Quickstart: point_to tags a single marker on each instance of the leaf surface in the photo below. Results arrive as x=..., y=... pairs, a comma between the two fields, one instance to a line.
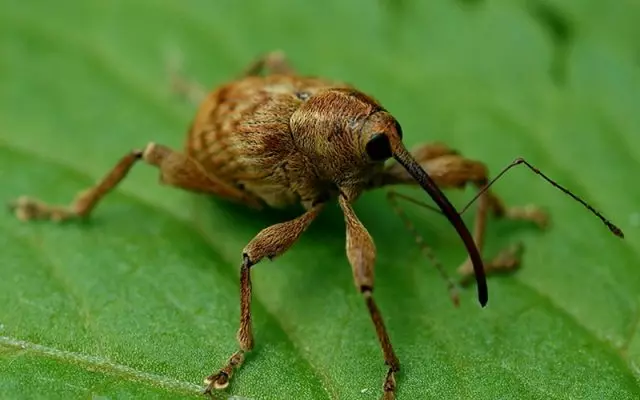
x=142, y=300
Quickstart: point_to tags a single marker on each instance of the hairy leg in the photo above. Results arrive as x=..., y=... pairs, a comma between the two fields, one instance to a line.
x=451, y=170
x=270, y=243
x=361, y=253
x=176, y=169
x=274, y=62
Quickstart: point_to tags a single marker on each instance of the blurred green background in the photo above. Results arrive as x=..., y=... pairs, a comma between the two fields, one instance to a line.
x=142, y=301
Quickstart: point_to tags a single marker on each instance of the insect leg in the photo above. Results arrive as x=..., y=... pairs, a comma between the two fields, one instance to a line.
x=451, y=170
x=176, y=169
x=507, y=260
x=187, y=89
x=274, y=62
x=392, y=197
x=361, y=253
x=270, y=243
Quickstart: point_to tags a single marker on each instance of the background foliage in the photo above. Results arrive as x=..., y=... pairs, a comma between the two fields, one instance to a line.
x=142, y=301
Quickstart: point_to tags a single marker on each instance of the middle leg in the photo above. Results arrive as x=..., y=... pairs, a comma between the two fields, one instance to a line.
x=361, y=253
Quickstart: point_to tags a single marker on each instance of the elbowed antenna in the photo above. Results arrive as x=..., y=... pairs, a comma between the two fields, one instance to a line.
x=401, y=155
x=610, y=225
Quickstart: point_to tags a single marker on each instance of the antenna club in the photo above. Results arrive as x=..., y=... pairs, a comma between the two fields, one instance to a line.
x=615, y=230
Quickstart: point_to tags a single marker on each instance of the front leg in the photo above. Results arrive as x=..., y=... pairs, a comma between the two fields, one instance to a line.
x=455, y=171
x=362, y=254
x=270, y=242
x=450, y=170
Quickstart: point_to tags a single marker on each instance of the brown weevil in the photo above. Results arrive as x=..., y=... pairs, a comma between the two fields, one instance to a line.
x=274, y=138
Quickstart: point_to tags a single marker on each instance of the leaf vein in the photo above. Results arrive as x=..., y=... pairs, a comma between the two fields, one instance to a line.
x=90, y=362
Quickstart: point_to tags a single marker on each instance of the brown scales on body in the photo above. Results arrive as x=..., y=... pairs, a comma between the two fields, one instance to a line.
x=282, y=139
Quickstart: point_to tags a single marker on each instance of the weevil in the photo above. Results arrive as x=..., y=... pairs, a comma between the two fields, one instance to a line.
x=274, y=138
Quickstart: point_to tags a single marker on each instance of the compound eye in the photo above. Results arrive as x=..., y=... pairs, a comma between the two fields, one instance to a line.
x=378, y=147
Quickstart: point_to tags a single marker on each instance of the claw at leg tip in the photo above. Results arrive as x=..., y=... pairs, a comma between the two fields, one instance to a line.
x=16, y=203
x=22, y=207
x=615, y=230
x=219, y=381
x=219, y=386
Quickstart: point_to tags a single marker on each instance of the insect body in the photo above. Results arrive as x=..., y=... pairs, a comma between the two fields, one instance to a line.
x=281, y=139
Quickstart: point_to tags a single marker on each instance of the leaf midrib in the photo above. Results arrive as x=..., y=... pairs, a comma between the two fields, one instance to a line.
x=90, y=362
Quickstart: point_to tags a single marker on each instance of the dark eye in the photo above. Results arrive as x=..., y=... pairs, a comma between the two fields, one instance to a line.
x=378, y=147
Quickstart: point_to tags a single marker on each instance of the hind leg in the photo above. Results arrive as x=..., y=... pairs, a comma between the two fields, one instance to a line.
x=274, y=62
x=176, y=169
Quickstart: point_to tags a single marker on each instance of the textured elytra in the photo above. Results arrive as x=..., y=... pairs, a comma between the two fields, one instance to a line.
x=257, y=134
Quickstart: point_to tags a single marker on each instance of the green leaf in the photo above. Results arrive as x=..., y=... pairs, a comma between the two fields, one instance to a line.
x=142, y=301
